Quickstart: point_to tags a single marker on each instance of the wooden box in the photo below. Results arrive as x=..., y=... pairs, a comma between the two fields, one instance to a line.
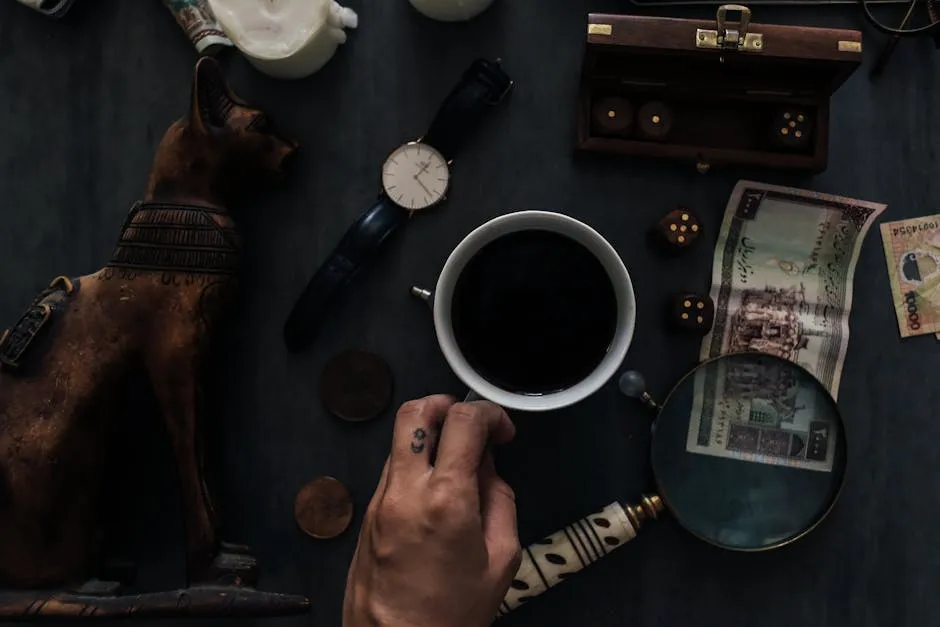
x=712, y=92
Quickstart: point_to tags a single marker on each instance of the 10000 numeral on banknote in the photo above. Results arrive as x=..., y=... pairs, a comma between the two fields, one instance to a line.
x=782, y=284
x=912, y=250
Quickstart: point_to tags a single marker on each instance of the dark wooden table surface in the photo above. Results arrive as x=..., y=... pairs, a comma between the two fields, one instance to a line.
x=83, y=103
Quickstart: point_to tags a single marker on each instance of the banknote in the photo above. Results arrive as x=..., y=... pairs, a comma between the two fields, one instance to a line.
x=912, y=250
x=760, y=411
x=782, y=284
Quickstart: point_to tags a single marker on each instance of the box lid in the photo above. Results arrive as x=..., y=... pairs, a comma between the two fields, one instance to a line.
x=721, y=53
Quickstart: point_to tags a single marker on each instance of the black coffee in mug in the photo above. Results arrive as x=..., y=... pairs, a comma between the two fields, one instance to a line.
x=534, y=312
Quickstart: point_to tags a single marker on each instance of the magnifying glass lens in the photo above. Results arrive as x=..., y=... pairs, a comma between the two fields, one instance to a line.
x=749, y=451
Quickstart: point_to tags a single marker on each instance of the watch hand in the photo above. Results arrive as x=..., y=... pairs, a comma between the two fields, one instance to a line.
x=423, y=170
x=426, y=190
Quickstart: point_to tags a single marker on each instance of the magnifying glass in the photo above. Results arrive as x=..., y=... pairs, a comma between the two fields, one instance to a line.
x=748, y=453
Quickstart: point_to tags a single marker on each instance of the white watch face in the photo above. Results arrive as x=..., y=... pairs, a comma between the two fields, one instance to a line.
x=415, y=176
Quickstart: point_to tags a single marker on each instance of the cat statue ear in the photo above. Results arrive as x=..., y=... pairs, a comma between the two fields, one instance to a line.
x=212, y=97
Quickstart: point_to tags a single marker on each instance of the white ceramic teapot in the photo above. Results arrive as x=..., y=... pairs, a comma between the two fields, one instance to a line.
x=285, y=38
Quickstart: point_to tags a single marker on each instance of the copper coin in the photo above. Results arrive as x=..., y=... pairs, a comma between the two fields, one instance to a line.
x=323, y=508
x=356, y=385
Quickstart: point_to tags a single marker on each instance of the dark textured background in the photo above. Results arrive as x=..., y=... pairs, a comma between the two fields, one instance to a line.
x=83, y=104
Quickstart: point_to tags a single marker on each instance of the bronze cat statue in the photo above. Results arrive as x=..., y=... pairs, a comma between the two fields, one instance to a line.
x=150, y=311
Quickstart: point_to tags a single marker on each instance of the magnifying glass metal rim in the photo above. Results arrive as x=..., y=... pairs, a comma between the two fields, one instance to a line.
x=548, y=562
x=661, y=493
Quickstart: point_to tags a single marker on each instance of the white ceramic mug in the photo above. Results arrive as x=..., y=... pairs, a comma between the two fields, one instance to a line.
x=544, y=221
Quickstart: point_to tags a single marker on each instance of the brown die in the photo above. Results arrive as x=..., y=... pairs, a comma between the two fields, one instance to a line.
x=793, y=128
x=692, y=312
x=678, y=230
x=654, y=120
x=612, y=115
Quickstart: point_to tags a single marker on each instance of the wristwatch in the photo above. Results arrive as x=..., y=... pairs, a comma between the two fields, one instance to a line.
x=415, y=176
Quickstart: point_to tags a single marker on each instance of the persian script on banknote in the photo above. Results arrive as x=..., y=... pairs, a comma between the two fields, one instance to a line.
x=782, y=284
x=912, y=250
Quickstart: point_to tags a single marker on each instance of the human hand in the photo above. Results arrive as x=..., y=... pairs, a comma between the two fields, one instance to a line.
x=439, y=545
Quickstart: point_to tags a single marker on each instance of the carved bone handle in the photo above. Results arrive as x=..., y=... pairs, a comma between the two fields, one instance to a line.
x=550, y=561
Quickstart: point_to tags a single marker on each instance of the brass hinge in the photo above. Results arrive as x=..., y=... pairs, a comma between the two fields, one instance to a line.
x=730, y=36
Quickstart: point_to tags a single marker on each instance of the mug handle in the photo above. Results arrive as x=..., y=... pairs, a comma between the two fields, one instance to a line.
x=550, y=561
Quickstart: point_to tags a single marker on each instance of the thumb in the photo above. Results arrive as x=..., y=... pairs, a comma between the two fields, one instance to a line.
x=498, y=511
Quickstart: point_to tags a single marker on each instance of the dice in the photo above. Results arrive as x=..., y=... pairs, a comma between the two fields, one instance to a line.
x=654, y=120
x=793, y=128
x=612, y=115
x=692, y=312
x=677, y=230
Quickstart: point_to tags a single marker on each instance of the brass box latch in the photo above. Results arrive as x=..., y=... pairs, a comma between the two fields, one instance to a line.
x=733, y=36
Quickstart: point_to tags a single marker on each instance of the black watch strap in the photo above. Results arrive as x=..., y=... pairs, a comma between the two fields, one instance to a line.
x=359, y=244
x=482, y=87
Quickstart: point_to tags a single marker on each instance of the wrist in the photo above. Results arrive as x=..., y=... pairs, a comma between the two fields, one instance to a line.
x=364, y=610
x=375, y=613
